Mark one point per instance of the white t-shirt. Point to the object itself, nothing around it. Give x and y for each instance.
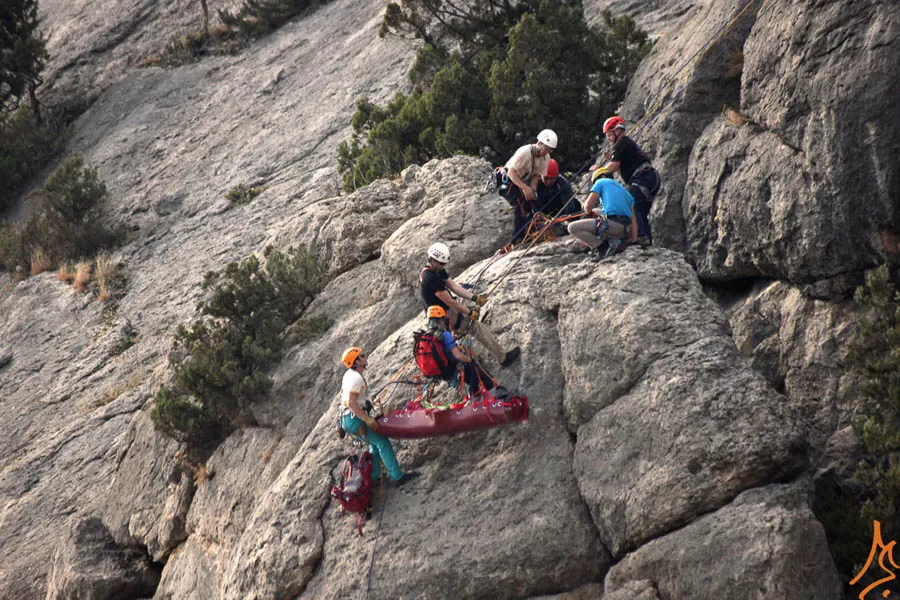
(353, 382)
(526, 163)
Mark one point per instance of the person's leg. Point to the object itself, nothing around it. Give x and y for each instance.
(640, 186)
(488, 340)
(614, 230)
(483, 335)
(642, 212)
(354, 425)
(469, 378)
(586, 231)
(522, 216)
(383, 451)
(481, 379)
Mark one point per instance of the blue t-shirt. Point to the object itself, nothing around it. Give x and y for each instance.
(449, 343)
(617, 200)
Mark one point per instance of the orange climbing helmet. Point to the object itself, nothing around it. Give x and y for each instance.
(615, 122)
(350, 355)
(436, 312)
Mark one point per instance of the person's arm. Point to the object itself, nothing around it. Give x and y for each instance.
(527, 190)
(613, 166)
(460, 355)
(450, 301)
(459, 290)
(603, 157)
(634, 228)
(353, 404)
(593, 197)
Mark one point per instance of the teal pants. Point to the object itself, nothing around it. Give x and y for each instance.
(379, 446)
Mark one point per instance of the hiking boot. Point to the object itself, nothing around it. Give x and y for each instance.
(408, 476)
(511, 357)
(644, 241)
(614, 247)
(601, 249)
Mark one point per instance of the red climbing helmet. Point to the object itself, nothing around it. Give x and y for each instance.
(611, 123)
(552, 168)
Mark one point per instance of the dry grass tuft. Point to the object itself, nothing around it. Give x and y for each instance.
(200, 474)
(82, 276)
(114, 392)
(734, 118)
(105, 270)
(66, 273)
(40, 262)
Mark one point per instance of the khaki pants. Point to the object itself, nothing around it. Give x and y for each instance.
(482, 334)
(586, 231)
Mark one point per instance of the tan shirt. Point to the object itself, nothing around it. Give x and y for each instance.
(527, 163)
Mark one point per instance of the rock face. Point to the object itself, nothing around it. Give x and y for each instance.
(643, 419)
(90, 565)
(755, 192)
(786, 559)
(798, 344)
(652, 442)
(92, 44)
(655, 17)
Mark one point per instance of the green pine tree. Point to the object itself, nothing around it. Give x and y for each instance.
(490, 75)
(23, 54)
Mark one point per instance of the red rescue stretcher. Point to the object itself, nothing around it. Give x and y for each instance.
(419, 422)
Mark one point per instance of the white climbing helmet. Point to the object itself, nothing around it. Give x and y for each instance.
(548, 138)
(439, 252)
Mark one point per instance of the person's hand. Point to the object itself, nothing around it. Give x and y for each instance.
(480, 299)
(529, 193)
(473, 314)
(371, 423)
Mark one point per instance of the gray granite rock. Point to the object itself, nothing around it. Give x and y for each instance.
(754, 192)
(89, 565)
(769, 532)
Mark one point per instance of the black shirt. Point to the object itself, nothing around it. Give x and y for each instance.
(629, 155)
(550, 199)
(430, 283)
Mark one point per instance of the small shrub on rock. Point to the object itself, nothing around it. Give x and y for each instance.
(192, 47)
(26, 145)
(256, 18)
(67, 223)
(243, 194)
(221, 359)
(874, 360)
(873, 366)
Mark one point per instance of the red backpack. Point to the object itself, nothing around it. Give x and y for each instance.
(430, 356)
(354, 492)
